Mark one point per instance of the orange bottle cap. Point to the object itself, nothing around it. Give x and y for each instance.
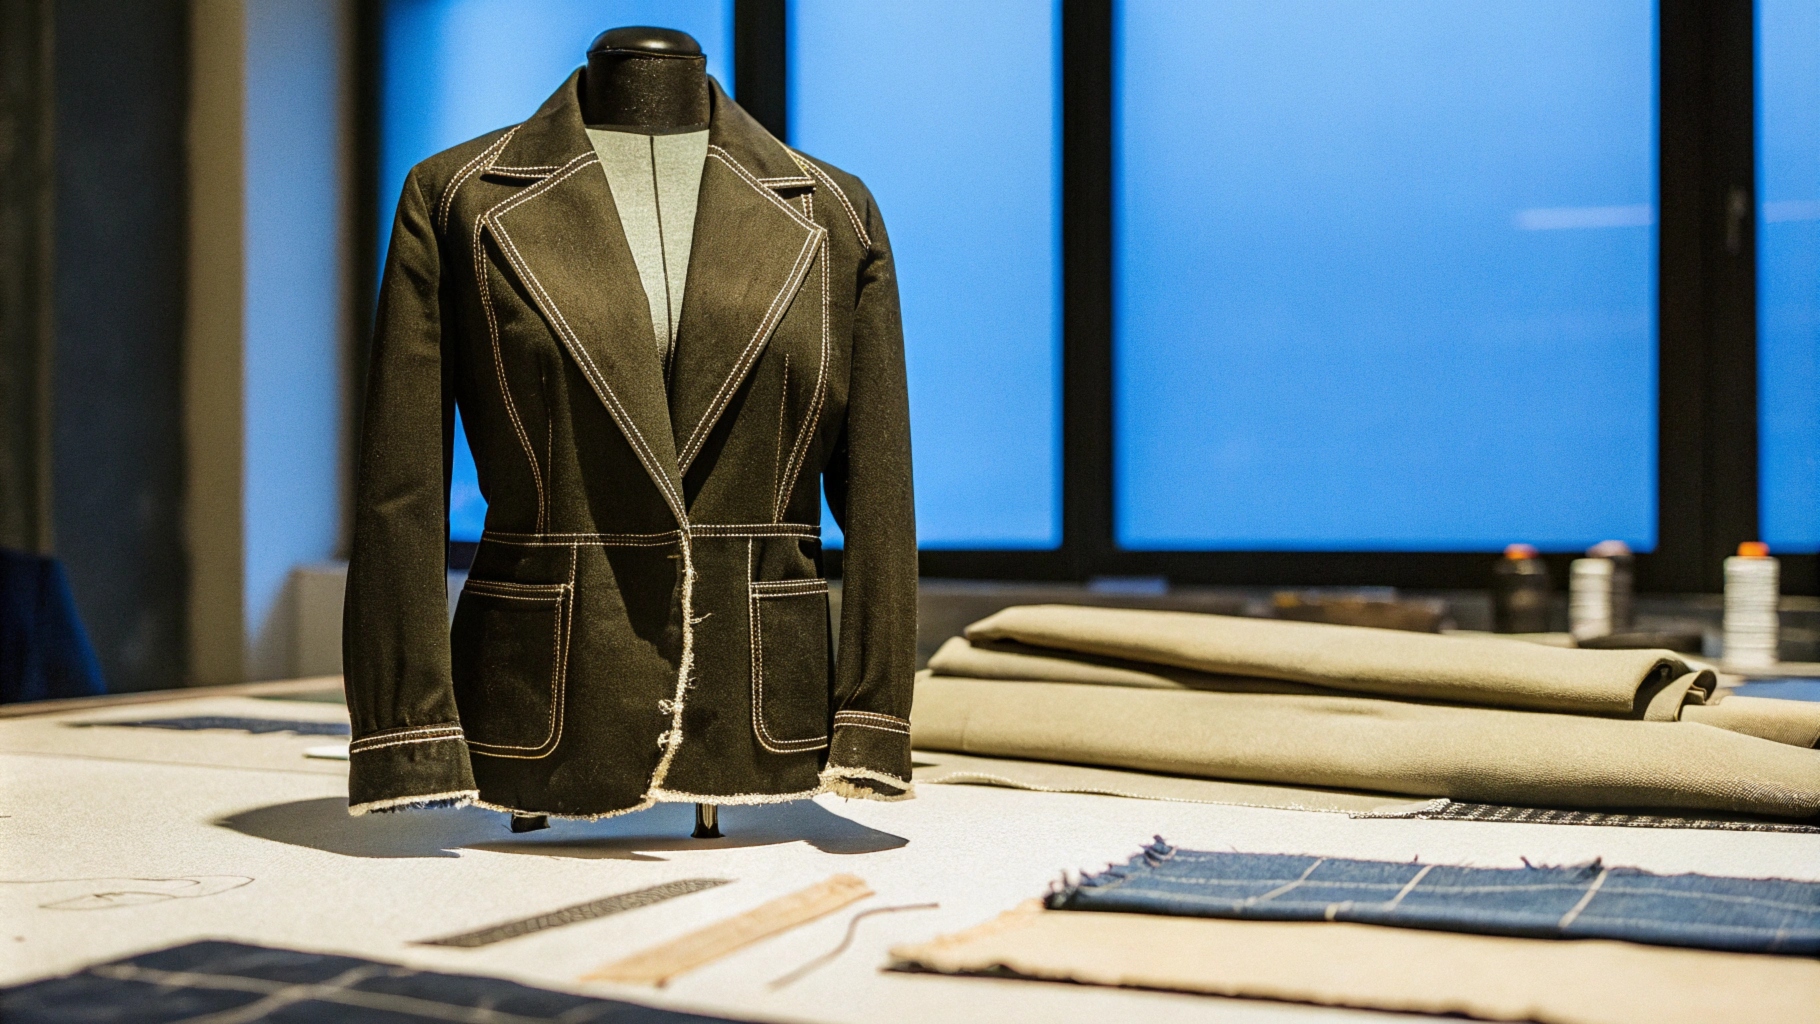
(1520, 551)
(1753, 549)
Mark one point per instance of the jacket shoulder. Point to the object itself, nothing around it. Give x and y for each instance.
(436, 174)
(853, 195)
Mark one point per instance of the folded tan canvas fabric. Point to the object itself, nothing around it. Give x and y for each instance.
(1463, 753)
(945, 768)
(1470, 670)
(1008, 659)
(1785, 721)
(1377, 968)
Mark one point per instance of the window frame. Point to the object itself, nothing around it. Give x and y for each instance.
(1707, 467)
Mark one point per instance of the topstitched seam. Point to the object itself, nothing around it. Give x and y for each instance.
(499, 363)
(777, 451)
(653, 466)
(840, 194)
(767, 324)
(892, 719)
(445, 203)
(756, 649)
(799, 452)
(564, 597)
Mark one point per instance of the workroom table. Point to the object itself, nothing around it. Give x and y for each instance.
(86, 805)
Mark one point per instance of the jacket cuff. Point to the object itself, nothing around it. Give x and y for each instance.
(417, 766)
(869, 757)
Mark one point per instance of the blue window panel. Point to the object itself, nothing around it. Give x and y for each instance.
(1788, 272)
(451, 70)
(947, 110)
(1385, 274)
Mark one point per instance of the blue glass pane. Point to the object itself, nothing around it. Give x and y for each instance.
(1385, 274)
(454, 69)
(947, 109)
(1788, 271)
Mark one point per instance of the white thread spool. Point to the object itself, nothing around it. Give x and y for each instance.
(1753, 589)
(1589, 597)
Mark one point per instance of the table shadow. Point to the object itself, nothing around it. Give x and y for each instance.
(324, 824)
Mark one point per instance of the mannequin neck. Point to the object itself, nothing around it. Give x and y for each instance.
(656, 92)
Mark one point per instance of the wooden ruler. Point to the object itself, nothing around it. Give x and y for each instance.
(659, 964)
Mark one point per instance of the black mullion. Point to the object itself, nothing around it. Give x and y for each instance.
(1707, 370)
(1087, 482)
(1730, 251)
(760, 52)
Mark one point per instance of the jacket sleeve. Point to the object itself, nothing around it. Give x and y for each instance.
(407, 746)
(869, 485)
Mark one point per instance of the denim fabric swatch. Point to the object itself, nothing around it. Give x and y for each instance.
(1585, 901)
(248, 983)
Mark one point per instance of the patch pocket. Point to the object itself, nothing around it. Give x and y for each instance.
(510, 653)
(789, 621)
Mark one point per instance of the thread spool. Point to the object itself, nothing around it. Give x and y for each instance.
(1520, 592)
(1753, 590)
(1589, 598)
(1623, 576)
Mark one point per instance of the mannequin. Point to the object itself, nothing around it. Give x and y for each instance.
(655, 79)
(651, 81)
(669, 339)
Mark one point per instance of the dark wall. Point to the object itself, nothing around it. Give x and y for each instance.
(118, 467)
(25, 235)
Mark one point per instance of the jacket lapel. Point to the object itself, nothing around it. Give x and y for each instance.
(750, 253)
(561, 237)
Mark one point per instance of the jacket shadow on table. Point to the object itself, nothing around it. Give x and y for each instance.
(324, 824)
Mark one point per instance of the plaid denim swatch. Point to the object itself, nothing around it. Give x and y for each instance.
(1585, 901)
(221, 981)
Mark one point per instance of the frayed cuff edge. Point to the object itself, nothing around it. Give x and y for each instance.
(453, 798)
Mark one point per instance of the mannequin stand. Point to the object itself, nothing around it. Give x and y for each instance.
(707, 822)
(529, 822)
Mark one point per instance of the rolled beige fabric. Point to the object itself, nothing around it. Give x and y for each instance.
(1588, 981)
(1488, 671)
(1463, 753)
(1786, 721)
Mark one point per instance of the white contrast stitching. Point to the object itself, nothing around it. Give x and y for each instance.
(859, 229)
(774, 313)
(499, 362)
(756, 648)
(777, 452)
(799, 452)
(446, 202)
(563, 595)
(878, 716)
(657, 470)
(400, 737)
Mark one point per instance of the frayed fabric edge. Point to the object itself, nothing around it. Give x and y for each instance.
(1434, 806)
(566, 815)
(838, 780)
(1065, 889)
(427, 801)
(732, 799)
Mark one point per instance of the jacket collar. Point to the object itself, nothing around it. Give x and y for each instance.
(751, 252)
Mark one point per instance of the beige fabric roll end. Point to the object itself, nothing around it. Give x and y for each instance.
(1488, 671)
(1393, 969)
(1474, 754)
(1796, 722)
